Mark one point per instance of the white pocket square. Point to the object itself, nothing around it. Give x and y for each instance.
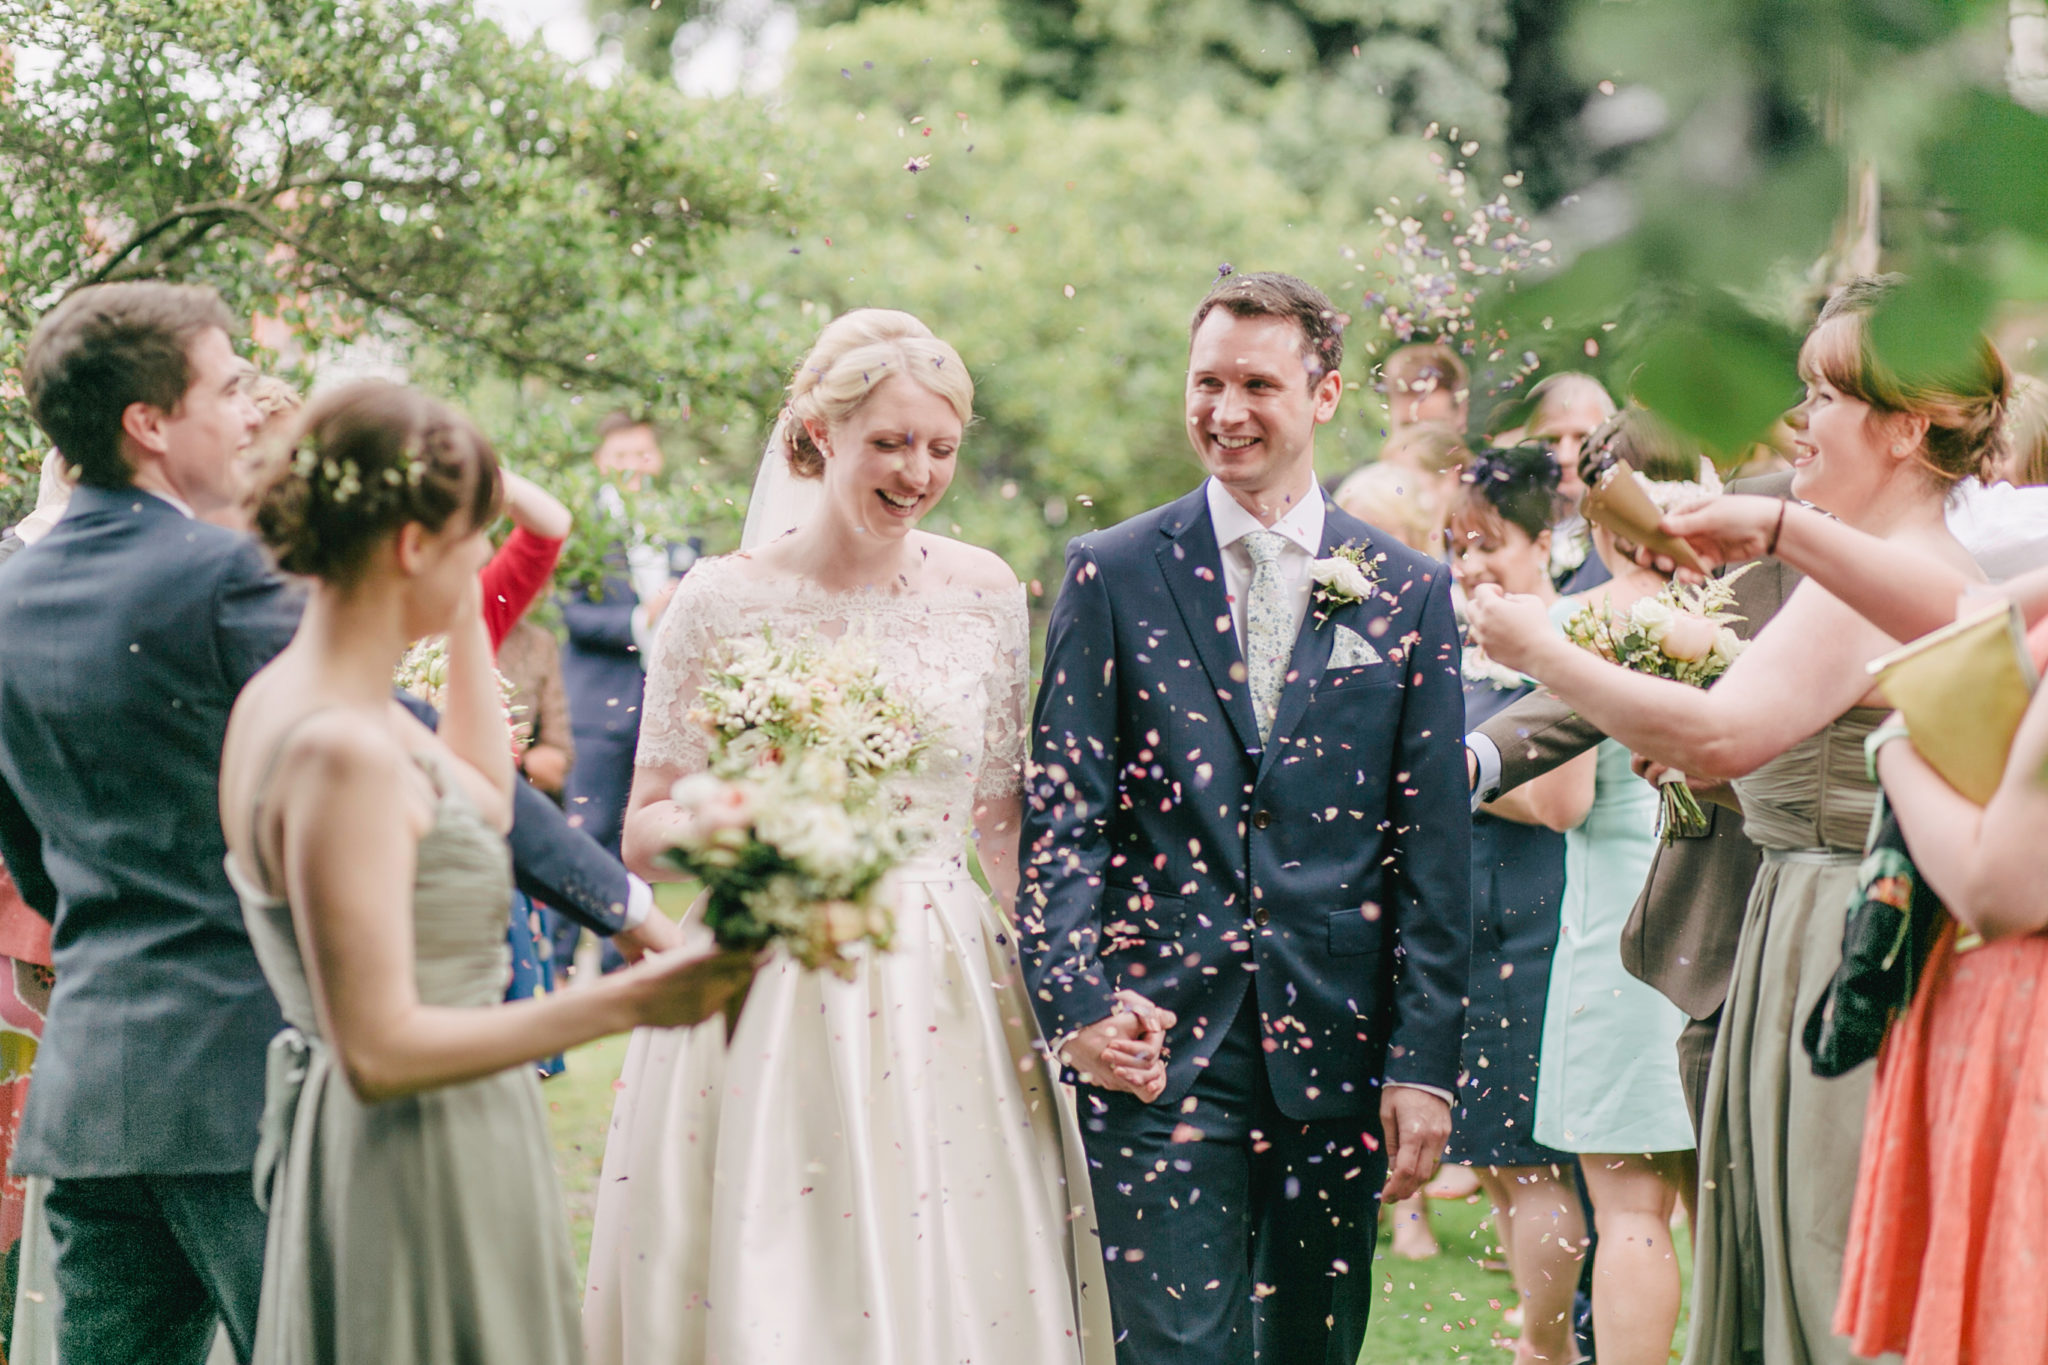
(1350, 650)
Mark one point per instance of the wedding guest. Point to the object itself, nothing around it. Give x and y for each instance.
(2024, 461)
(1426, 459)
(609, 627)
(520, 569)
(406, 1166)
(1500, 534)
(1681, 937)
(1393, 499)
(1607, 1083)
(1564, 408)
(1945, 1257)
(604, 659)
(145, 1099)
(531, 662)
(1787, 721)
(148, 1083)
(1426, 382)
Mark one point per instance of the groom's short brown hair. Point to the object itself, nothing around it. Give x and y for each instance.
(1270, 294)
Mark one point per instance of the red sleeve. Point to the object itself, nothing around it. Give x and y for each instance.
(514, 577)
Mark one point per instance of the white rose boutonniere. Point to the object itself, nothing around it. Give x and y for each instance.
(1345, 577)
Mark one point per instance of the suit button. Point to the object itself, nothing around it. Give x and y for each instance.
(1262, 819)
(1260, 915)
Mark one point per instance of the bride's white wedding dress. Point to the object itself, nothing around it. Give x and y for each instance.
(880, 1171)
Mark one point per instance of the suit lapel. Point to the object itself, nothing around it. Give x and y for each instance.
(1192, 566)
(1313, 645)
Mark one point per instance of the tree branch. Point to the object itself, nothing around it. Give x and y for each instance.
(344, 275)
(184, 213)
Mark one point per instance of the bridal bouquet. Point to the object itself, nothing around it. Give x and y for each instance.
(1682, 634)
(789, 828)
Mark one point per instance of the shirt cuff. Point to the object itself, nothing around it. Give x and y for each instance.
(639, 903)
(1443, 1095)
(1487, 757)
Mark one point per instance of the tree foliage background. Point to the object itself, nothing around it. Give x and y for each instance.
(1051, 183)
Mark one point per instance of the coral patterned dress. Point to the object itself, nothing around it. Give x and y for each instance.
(1948, 1256)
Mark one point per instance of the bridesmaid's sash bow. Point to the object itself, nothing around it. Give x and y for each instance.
(285, 1067)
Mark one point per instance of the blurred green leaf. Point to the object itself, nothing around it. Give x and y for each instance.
(1721, 374)
(1992, 164)
(1931, 325)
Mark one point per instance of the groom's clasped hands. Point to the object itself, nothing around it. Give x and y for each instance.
(1126, 1051)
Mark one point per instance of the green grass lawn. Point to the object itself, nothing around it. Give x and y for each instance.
(1426, 1312)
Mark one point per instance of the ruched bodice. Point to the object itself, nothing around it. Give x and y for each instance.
(461, 884)
(1817, 794)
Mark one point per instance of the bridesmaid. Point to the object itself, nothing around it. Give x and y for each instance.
(1607, 1085)
(405, 1161)
(1779, 1146)
(1500, 534)
(1945, 1260)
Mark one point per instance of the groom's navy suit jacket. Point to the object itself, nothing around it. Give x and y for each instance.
(125, 635)
(1166, 850)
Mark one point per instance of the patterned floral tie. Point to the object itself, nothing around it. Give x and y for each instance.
(1268, 639)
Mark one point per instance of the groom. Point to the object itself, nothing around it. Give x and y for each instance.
(1246, 842)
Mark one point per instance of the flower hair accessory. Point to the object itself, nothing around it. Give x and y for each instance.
(1347, 576)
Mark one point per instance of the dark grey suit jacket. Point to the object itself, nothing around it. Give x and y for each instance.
(1681, 937)
(128, 631)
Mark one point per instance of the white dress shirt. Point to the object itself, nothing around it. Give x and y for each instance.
(1302, 526)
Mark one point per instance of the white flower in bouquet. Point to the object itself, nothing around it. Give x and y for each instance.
(818, 835)
(1680, 634)
(423, 672)
(791, 830)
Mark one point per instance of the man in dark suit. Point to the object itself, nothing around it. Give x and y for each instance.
(1245, 842)
(610, 631)
(1681, 937)
(130, 628)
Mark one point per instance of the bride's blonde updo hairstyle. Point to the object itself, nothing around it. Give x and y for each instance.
(1964, 403)
(363, 461)
(852, 356)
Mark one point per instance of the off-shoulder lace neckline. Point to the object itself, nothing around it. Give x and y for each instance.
(788, 588)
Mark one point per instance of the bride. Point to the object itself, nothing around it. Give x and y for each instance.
(880, 1171)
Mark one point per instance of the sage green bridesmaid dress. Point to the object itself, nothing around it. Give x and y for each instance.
(426, 1229)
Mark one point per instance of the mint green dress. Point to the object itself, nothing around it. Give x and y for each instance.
(426, 1229)
(1607, 1079)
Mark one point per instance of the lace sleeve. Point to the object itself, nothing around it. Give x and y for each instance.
(668, 739)
(1009, 691)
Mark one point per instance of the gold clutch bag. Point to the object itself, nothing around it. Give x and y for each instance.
(1962, 691)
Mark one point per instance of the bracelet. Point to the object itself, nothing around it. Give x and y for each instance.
(1877, 739)
(1777, 529)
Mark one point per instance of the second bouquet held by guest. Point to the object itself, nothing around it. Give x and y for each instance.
(1779, 1146)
